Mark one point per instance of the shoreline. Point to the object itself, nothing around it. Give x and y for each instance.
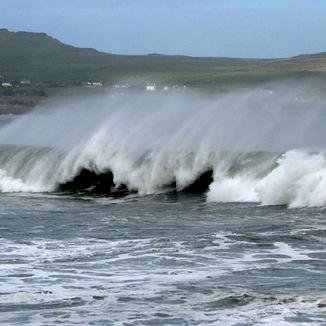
(14, 109)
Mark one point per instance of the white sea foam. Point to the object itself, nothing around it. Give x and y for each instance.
(8, 184)
(236, 189)
(299, 180)
(173, 278)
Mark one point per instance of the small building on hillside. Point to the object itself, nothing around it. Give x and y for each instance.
(6, 84)
(151, 87)
(97, 84)
(93, 84)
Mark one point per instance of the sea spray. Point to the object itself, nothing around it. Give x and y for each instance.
(256, 143)
(299, 180)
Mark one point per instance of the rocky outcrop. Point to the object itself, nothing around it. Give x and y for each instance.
(5, 34)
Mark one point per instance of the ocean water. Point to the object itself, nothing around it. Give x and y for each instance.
(165, 209)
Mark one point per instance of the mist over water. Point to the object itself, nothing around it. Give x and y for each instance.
(262, 145)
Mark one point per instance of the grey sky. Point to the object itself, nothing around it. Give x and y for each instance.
(230, 28)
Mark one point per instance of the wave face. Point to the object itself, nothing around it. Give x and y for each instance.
(263, 145)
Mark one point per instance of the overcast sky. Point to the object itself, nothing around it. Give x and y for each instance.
(229, 28)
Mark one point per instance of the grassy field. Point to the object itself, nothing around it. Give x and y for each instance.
(47, 62)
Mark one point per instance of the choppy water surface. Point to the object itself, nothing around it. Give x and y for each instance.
(159, 260)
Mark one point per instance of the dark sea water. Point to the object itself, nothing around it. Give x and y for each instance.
(170, 259)
(164, 210)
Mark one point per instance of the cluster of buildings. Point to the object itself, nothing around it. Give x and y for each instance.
(14, 83)
(174, 88)
(22, 82)
(93, 84)
(151, 87)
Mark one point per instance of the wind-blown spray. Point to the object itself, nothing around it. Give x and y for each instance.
(264, 145)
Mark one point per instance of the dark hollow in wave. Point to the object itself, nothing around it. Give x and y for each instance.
(102, 184)
(201, 184)
(89, 181)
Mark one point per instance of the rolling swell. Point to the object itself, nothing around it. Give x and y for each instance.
(44, 169)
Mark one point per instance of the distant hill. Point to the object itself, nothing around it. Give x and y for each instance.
(41, 58)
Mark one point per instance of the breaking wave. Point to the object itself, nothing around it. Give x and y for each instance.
(263, 145)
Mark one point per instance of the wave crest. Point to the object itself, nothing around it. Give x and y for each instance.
(230, 147)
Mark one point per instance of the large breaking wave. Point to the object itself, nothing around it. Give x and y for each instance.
(264, 145)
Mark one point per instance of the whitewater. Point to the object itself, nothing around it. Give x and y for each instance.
(159, 208)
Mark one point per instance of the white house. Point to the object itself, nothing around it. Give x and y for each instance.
(97, 83)
(150, 87)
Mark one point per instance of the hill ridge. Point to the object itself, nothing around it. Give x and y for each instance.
(41, 58)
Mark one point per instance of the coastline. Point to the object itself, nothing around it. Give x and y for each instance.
(14, 109)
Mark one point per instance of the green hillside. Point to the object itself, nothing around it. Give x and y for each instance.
(40, 58)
